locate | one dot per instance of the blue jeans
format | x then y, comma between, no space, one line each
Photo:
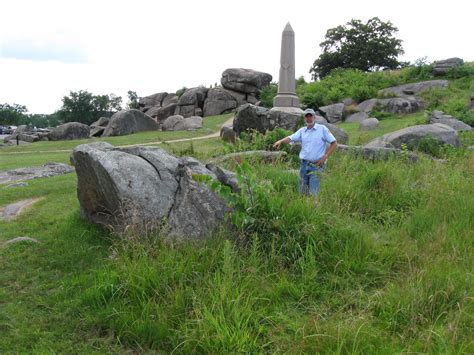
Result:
310,175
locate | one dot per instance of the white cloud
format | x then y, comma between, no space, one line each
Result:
51,47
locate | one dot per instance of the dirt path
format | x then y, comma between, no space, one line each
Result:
227,123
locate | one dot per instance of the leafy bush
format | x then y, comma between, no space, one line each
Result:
267,94
462,71
343,83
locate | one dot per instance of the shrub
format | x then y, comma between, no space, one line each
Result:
267,94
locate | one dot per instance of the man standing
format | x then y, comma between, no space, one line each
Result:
317,144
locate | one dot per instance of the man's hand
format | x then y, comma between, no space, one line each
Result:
322,160
285,140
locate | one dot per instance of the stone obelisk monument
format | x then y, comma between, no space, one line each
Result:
286,99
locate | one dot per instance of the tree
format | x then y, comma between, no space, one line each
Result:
132,99
82,106
12,114
367,46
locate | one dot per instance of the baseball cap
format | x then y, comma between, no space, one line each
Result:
309,111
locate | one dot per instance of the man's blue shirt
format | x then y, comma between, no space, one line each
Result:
313,141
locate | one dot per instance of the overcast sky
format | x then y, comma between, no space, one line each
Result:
49,48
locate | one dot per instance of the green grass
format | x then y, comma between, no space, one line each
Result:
42,152
381,264
211,124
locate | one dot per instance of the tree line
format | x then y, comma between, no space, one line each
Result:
79,106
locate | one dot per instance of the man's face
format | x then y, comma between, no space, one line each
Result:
309,119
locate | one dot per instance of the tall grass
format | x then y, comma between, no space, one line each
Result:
378,264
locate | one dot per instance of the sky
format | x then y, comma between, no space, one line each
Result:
49,48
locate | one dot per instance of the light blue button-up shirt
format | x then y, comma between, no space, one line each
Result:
313,141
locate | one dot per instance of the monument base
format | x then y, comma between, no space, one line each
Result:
286,100
290,110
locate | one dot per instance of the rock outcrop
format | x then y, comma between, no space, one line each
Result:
129,121
441,117
441,67
369,124
413,89
239,87
333,113
245,80
146,189
46,170
179,123
412,136
68,131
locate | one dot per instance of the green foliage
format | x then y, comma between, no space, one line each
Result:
181,91
12,114
344,83
82,106
420,70
367,46
17,115
132,100
267,94
462,71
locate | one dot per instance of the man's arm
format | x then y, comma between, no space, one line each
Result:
331,148
285,140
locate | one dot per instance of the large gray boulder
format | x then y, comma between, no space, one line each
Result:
146,189
399,105
245,80
413,89
128,122
441,117
369,124
191,103
152,100
30,138
250,117
219,101
101,122
283,117
367,105
441,67
412,136
333,112
159,106
402,105
357,117
68,131
179,123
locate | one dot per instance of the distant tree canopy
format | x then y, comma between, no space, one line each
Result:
16,115
82,106
367,46
12,114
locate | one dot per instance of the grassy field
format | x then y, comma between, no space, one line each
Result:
381,264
